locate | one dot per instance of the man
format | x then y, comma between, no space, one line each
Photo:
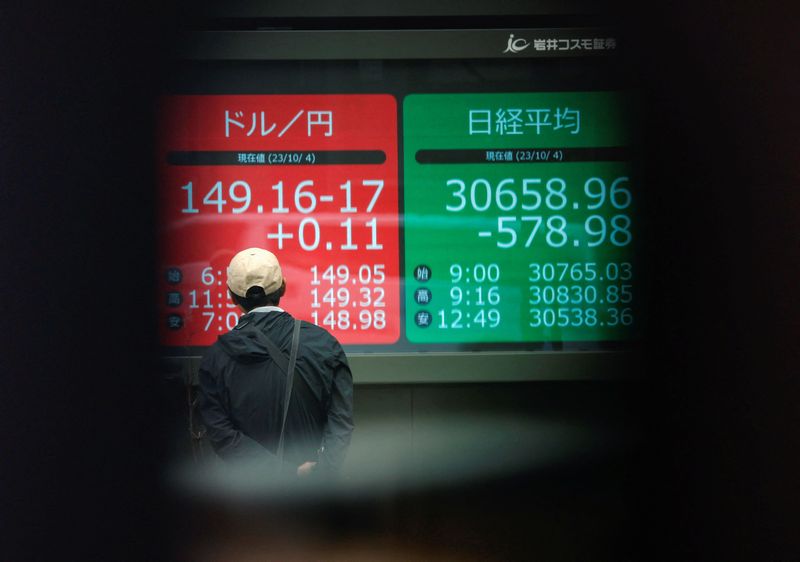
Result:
242,389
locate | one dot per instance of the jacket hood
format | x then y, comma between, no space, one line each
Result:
243,344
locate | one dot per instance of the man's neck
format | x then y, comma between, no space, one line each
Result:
268,309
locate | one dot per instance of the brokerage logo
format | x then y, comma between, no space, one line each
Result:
516,45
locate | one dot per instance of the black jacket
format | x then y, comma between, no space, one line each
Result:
242,394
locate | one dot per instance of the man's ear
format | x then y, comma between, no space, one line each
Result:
282,289
234,301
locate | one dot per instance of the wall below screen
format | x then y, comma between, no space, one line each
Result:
532,425
545,470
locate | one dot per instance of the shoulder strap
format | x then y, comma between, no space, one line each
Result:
287,366
274,351
289,383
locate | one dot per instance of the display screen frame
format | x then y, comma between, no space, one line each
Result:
215,62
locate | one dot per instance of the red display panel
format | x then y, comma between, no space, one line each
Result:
312,178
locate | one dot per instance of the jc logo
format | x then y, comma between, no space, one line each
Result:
516,45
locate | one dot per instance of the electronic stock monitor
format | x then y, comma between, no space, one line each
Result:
453,196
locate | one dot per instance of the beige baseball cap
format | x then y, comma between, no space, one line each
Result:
254,267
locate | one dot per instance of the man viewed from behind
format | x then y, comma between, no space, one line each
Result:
243,384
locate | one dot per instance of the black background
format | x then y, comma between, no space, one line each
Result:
81,446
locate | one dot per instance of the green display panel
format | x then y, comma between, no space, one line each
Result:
520,218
